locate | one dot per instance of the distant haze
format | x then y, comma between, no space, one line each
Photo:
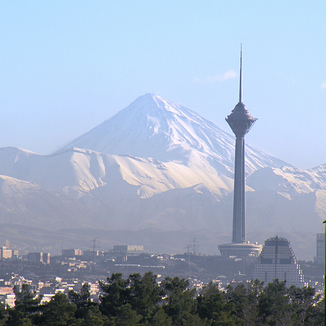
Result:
160,169
67,66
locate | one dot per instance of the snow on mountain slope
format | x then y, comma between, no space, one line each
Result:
90,189
80,170
288,181
154,127
113,182
48,171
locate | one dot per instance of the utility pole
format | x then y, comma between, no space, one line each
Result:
194,246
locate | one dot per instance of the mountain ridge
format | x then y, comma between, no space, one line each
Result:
186,185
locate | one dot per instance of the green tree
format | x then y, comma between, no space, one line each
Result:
274,304
3,314
82,300
316,314
27,306
212,306
144,293
179,303
58,312
159,318
92,317
243,302
304,303
115,294
126,316
95,317
141,293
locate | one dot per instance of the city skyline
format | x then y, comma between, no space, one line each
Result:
67,67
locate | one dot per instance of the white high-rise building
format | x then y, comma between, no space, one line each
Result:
277,261
320,248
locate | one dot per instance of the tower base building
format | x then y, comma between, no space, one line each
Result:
240,250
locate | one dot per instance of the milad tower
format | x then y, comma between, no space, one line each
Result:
240,121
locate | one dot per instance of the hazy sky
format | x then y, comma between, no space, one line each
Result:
67,66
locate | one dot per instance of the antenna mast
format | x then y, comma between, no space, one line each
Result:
240,86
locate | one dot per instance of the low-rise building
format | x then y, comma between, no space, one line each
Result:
70,253
5,253
39,257
128,249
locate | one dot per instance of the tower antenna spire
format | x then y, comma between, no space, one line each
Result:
240,86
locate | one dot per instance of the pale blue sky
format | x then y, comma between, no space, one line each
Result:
67,66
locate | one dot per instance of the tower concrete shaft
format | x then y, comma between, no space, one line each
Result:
238,234
240,121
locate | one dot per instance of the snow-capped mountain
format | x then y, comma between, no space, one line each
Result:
154,127
159,166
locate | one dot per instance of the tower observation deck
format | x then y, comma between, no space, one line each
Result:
240,121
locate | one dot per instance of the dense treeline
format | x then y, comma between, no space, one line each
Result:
140,300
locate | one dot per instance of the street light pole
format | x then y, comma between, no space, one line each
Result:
325,272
